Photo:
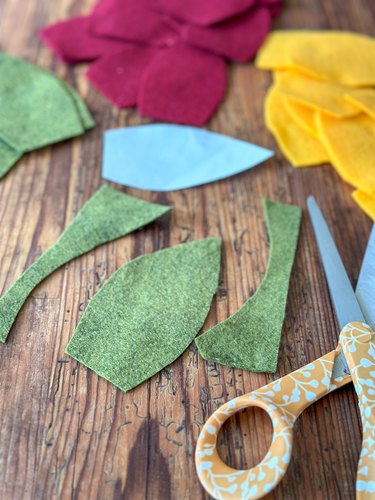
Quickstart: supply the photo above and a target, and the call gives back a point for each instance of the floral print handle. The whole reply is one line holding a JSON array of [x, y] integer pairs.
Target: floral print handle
[[358, 344], [284, 400]]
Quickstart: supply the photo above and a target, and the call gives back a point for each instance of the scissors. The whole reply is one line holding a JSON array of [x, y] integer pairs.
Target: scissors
[[286, 398]]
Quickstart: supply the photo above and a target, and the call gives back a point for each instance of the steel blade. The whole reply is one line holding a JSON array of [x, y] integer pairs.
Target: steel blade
[[365, 291], [343, 298]]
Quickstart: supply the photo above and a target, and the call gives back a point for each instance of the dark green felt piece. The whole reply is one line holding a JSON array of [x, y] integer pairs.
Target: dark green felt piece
[[148, 313], [36, 108], [250, 338], [108, 215]]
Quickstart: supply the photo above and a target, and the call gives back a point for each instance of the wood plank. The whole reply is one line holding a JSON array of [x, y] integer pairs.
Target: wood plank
[[68, 434]]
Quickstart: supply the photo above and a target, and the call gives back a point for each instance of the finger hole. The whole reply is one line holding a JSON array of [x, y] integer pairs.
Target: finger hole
[[245, 438]]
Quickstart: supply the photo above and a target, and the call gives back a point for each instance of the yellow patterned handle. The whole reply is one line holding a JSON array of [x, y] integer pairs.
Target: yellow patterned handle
[[283, 400], [358, 344]]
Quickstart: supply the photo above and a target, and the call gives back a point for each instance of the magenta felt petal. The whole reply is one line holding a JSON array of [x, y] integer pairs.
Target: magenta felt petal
[[237, 39], [131, 20], [182, 85], [202, 12], [118, 76], [72, 41]]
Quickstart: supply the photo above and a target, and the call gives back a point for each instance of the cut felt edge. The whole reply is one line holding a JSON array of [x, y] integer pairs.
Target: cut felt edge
[[342, 168], [268, 206], [366, 202], [107, 210], [313, 152], [82, 110], [215, 250], [358, 99], [8, 157]]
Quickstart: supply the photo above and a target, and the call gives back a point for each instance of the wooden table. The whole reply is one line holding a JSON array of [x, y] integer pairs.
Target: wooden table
[[66, 433]]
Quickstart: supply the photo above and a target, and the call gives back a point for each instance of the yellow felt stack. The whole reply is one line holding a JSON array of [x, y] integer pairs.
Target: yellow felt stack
[[321, 106]]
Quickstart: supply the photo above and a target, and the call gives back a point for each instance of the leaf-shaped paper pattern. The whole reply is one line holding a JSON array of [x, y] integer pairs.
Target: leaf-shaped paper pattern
[[148, 313], [108, 215], [250, 338], [167, 157]]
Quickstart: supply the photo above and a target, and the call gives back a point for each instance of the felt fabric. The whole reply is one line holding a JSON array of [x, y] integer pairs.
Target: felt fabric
[[302, 116], [250, 338], [147, 313], [315, 94], [350, 145], [131, 20], [364, 100], [186, 78], [237, 39], [301, 148], [182, 85], [118, 75], [342, 57], [184, 156], [202, 12], [317, 109], [54, 110], [108, 215], [8, 157], [366, 202], [72, 41]]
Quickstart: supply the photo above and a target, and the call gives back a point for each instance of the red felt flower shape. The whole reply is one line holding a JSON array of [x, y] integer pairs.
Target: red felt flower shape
[[131, 20], [202, 12], [165, 56], [72, 41], [118, 75], [182, 85], [237, 39]]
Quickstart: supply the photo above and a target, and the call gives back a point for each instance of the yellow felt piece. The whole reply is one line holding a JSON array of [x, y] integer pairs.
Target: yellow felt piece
[[301, 148], [363, 100], [316, 94], [303, 116], [350, 144], [366, 202], [275, 53], [342, 57]]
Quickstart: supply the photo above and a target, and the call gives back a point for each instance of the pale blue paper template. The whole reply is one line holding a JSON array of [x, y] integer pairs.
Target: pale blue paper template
[[165, 157]]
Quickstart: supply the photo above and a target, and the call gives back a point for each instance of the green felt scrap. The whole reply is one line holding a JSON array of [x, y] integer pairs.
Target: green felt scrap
[[250, 338], [36, 109], [8, 157], [148, 313], [108, 215]]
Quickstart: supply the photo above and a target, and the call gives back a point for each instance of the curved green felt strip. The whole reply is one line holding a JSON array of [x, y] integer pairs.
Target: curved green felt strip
[[108, 215], [148, 313], [250, 338]]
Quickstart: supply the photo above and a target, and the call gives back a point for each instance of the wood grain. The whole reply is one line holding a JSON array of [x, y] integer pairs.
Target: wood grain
[[67, 434]]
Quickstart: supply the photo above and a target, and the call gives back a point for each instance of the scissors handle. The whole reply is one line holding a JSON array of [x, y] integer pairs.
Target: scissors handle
[[358, 344], [283, 400]]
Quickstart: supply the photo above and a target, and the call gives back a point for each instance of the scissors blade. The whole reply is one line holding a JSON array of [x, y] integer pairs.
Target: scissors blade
[[344, 301], [365, 291], [343, 298]]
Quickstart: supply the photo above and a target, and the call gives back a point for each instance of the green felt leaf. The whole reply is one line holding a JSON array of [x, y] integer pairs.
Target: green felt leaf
[[250, 338], [108, 215], [36, 108], [148, 313]]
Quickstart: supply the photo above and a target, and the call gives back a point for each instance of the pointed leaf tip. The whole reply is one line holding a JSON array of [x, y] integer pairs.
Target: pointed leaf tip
[[166, 157], [148, 313]]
